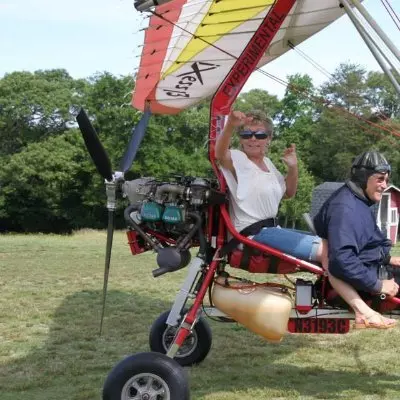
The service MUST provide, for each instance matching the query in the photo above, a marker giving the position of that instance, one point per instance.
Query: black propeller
(133, 146)
(94, 146)
(103, 165)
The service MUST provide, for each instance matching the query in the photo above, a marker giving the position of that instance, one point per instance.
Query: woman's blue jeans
(300, 244)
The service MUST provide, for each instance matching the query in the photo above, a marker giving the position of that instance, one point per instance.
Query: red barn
(388, 212)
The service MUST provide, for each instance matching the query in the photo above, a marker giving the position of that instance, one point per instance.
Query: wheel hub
(146, 386)
(188, 346)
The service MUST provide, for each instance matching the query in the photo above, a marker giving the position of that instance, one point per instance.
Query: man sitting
(356, 247)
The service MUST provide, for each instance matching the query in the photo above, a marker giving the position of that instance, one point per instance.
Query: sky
(89, 36)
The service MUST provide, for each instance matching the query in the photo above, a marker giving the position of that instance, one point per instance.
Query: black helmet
(367, 164)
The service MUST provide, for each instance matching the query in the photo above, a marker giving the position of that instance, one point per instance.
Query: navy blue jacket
(356, 246)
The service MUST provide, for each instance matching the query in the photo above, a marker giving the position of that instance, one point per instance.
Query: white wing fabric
(191, 45)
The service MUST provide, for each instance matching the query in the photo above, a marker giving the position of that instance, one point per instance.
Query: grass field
(50, 348)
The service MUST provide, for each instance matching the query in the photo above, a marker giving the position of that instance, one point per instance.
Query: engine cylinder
(263, 310)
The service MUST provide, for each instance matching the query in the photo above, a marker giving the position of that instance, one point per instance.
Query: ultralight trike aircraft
(196, 49)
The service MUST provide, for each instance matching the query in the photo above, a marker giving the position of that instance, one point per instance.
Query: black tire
(152, 374)
(194, 349)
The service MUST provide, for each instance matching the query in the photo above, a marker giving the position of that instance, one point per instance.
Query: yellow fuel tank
(263, 310)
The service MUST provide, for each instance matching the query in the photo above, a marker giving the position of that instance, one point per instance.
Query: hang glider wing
(191, 45)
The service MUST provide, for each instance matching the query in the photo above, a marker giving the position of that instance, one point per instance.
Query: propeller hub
(118, 176)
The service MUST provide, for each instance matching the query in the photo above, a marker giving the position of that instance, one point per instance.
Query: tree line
(49, 184)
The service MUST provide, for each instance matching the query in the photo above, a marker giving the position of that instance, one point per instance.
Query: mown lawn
(50, 302)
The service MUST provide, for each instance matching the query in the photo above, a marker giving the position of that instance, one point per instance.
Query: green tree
(298, 101)
(258, 99)
(334, 142)
(107, 102)
(44, 185)
(36, 106)
(294, 208)
(175, 144)
(298, 115)
(382, 96)
(342, 129)
(48, 182)
(347, 88)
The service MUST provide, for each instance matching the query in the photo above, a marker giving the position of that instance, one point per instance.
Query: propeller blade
(136, 138)
(94, 146)
(110, 234)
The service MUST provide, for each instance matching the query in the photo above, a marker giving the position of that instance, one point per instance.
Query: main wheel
(147, 376)
(195, 347)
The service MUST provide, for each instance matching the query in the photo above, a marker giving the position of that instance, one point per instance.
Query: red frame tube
(192, 314)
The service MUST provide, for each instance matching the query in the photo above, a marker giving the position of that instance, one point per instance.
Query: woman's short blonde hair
(262, 118)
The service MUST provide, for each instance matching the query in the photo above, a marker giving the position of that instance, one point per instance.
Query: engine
(169, 216)
(164, 206)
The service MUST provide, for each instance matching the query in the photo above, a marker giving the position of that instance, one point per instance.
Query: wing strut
(379, 54)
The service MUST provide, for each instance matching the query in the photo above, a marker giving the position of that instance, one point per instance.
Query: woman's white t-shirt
(256, 194)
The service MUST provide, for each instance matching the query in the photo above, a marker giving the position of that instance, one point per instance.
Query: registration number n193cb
(319, 325)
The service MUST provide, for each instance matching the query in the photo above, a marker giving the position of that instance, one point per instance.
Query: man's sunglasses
(258, 135)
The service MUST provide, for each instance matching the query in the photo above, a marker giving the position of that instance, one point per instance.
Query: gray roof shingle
(321, 193)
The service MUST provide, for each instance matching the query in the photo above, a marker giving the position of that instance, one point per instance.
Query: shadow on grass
(74, 361)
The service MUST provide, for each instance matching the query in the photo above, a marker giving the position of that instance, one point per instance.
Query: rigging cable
(319, 67)
(390, 10)
(339, 110)
(380, 115)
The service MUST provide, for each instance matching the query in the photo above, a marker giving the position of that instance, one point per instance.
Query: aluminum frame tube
(372, 47)
(376, 28)
(374, 43)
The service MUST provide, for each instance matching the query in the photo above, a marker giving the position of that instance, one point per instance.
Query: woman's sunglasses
(258, 135)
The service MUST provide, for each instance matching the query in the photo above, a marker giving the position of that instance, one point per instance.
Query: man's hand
(395, 261)
(237, 118)
(389, 287)
(289, 156)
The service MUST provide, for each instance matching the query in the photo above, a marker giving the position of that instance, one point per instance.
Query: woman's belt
(252, 229)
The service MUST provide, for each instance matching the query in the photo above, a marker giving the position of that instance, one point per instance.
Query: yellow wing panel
(222, 18)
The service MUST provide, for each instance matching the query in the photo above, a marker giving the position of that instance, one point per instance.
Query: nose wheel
(193, 350)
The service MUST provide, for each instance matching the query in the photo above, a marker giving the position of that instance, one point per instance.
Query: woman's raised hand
(289, 156)
(238, 118)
